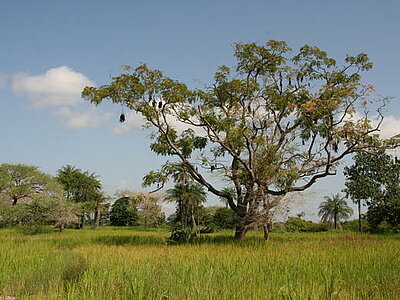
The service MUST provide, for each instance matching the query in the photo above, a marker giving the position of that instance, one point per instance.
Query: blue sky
(49, 50)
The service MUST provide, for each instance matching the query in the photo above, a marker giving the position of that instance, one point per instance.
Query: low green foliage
(123, 212)
(296, 224)
(125, 263)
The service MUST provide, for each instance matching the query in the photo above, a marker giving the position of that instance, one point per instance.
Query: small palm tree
(334, 209)
(188, 196)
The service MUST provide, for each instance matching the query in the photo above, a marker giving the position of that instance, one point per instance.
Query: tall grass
(129, 264)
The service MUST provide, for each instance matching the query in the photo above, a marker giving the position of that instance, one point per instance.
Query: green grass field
(126, 263)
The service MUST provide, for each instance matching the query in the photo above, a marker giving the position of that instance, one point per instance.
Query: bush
(353, 225)
(225, 218)
(296, 224)
(181, 234)
(123, 213)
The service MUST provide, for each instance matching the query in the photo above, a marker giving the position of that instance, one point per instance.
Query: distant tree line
(73, 198)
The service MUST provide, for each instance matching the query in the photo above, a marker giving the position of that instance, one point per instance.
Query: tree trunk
(80, 225)
(267, 228)
(97, 216)
(334, 221)
(240, 232)
(193, 219)
(359, 215)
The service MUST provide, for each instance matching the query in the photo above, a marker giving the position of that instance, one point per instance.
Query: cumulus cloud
(390, 127)
(59, 86)
(87, 119)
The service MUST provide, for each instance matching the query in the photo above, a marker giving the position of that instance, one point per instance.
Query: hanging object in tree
(160, 104)
(154, 103)
(122, 115)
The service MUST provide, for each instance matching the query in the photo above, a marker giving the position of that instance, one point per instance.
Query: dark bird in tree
(122, 118)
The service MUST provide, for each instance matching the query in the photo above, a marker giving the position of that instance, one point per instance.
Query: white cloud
(390, 127)
(87, 119)
(56, 87)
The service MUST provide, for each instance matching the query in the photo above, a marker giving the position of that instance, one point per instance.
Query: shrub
(225, 218)
(296, 224)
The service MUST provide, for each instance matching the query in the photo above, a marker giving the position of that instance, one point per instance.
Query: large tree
(22, 182)
(374, 178)
(275, 124)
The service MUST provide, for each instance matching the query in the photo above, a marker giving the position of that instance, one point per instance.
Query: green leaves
(274, 118)
(18, 181)
(375, 179)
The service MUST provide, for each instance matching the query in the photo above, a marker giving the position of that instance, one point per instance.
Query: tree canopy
(124, 212)
(375, 179)
(83, 188)
(23, 182)
(274, 124)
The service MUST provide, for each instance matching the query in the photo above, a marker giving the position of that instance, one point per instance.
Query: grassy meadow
(129, 263)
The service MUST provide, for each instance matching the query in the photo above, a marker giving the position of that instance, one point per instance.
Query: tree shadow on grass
(154, 240)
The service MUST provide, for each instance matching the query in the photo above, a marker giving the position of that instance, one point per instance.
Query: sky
(50, 50)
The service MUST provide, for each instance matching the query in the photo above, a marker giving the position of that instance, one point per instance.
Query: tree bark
(193, 218)
(97, 216)
(266, 231)
(359, 215)
(240, 232)
(80, 225)
(334, 221)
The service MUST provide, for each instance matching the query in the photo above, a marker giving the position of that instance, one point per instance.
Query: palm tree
(334, 209)
(188, 196)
